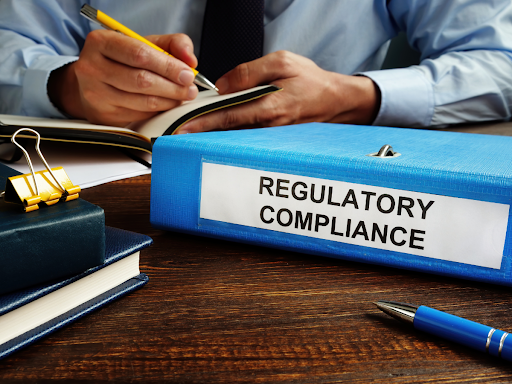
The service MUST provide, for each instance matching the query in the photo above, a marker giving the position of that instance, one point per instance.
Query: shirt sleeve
(36, 37)
(465, 73)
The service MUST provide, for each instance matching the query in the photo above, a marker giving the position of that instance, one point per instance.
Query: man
(324, 54)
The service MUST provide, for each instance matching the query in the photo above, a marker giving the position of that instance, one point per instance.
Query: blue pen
(450, 327)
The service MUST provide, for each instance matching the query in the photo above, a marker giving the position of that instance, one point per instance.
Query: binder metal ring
(385, 152)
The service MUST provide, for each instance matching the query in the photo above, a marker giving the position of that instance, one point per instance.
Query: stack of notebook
(57, 264)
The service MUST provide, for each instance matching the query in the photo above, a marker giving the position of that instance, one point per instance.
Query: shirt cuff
(36, 101)
(407, 98)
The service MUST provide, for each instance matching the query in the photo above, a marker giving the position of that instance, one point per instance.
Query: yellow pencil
(109, 23)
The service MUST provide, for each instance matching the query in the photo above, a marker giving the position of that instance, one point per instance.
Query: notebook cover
(119, 244)
(476, 168)
(69, 317)
(50, 243)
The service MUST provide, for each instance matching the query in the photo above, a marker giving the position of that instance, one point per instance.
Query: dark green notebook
(47, 244)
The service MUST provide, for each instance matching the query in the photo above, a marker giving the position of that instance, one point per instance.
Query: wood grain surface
(223, 312)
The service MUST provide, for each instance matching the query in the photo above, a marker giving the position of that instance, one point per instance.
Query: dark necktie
(232, 34)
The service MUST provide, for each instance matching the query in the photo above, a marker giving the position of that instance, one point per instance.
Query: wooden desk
(221, 312)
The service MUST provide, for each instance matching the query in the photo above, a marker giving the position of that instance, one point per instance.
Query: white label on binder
(440, 227)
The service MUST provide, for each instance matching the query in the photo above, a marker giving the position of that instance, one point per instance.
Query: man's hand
(309, 94)
(118, 79)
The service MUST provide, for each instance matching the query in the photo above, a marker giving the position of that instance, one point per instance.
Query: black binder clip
(31, 189)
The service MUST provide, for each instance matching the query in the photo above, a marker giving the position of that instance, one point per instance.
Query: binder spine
(177, 179)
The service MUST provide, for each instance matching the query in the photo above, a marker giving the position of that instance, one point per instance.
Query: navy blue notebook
(50, 243)
(28, 315)
(441, 204)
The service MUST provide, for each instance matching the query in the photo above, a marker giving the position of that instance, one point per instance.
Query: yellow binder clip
(30, 191)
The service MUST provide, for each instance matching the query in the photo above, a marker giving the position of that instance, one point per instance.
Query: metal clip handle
(27, 157)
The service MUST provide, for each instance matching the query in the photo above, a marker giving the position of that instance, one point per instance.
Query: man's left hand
(309, 94)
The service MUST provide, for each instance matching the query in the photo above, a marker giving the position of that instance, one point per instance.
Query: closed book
(47, 244)
(28, 315)
(439, 202)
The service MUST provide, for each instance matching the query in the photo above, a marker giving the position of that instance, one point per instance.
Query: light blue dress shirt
(465, 72)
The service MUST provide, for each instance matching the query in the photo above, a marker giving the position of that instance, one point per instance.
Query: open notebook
(67, 143)
(134, 136)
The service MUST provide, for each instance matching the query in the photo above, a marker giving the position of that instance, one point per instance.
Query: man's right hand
(118, 79)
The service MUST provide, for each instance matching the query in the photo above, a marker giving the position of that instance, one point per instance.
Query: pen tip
(400, 311)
